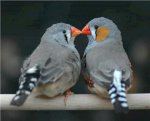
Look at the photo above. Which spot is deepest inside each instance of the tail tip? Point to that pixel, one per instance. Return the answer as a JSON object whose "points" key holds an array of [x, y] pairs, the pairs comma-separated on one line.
{"points": [[18, 100], [121, 108]]}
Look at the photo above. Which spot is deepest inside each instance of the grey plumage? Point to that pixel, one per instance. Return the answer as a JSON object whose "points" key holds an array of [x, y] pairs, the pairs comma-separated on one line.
{"points": [[102, 59], [57, 62]]}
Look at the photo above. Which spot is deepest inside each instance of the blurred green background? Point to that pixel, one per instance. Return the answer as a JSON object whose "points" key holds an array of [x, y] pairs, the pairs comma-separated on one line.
{"points": [[23, 24]]}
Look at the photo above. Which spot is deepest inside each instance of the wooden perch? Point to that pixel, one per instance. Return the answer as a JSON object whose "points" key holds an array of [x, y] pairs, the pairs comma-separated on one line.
{"points": [[74, 102]]}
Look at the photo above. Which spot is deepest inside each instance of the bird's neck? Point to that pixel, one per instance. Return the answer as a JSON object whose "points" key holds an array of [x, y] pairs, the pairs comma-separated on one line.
{"points": [[92, 43]]}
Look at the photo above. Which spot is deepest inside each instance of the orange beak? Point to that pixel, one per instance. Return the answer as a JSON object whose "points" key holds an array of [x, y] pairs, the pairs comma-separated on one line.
{"points": [[86, 30], [75, 32]]}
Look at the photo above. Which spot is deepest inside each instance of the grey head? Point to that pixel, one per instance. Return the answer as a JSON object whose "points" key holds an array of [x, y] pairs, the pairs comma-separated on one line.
{"points": [[60, 33], [96, 27]]}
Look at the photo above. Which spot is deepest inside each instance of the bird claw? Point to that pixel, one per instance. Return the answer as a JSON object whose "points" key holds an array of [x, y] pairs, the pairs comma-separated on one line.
{"points": [[67, 94], [89, 83]]}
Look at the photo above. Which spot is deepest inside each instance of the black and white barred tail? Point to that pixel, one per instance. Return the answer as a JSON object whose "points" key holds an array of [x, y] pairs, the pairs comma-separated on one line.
{"points": [[117, 93], [26, 86]]}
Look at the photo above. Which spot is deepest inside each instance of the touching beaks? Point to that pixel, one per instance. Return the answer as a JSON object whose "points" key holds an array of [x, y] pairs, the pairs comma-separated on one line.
{"points": [[86, 30], [75, 32]]}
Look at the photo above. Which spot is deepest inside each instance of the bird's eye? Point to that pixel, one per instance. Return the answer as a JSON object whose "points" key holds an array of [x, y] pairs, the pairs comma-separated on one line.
{"points": [[64, 31], [95, 26]]}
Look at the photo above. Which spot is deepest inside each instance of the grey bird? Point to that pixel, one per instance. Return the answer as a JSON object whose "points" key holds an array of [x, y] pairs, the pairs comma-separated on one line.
{"points": [[53, 67], [106, 67]]}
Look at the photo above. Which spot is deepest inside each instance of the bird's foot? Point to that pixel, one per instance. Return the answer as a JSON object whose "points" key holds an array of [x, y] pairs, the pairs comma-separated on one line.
{"points": [[90, 83], [67, 94]]}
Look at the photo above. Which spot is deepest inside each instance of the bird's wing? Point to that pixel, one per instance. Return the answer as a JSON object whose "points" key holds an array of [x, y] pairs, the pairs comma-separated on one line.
{"points": [[102, 61], [55, 67], [60, 61], [54, 60], [51, 71]]}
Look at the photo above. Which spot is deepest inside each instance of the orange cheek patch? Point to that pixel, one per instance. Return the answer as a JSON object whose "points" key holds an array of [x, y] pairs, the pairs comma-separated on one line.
{"points": [[102, 33]]}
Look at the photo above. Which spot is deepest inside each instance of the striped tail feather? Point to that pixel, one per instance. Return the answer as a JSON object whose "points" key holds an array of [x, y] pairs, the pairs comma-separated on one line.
{"points": [[26, 86], [117, 93]]}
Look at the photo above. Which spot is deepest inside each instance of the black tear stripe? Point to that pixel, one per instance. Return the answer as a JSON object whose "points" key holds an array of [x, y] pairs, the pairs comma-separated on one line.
{"points": [[26, 86], [66, 38]]}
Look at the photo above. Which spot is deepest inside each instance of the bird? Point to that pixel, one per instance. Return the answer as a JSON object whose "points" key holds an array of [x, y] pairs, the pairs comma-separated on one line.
{"points": [[53, 67], [105, 65]]}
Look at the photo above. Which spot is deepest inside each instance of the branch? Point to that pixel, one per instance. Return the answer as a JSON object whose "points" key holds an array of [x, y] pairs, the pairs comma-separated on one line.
{"points": [[74, 102]]}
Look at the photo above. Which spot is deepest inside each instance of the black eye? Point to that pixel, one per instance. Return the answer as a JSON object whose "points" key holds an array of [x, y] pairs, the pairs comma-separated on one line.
{"points": [[64, 31], [95, 26]]}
